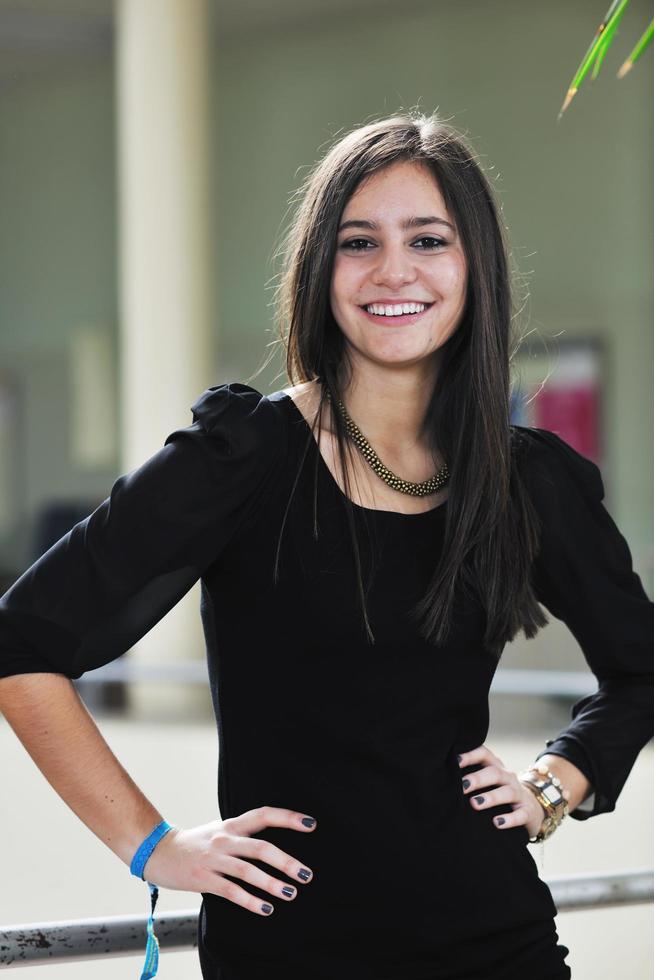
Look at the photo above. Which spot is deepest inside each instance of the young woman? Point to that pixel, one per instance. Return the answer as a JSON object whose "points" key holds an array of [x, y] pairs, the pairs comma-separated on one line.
{"points": [[368, 539]]}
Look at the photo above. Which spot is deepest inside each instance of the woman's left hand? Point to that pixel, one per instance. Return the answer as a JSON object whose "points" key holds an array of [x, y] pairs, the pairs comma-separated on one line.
{"points": [[527, 810]]}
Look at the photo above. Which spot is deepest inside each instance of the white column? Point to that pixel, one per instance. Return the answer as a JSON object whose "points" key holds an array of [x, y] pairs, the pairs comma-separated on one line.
{"points": [[162, 78], [93, 383]]}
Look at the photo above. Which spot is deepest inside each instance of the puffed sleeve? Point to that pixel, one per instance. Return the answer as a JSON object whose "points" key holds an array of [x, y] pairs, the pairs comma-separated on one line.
{"points": [[106, 583], [584, 576]]}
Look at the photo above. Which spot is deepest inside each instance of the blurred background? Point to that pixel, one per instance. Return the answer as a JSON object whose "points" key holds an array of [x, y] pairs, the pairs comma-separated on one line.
{"points": [[149, 152]]}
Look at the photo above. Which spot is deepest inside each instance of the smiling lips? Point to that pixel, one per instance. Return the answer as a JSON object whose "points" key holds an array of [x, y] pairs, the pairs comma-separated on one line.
{"points": [[396, 313]]}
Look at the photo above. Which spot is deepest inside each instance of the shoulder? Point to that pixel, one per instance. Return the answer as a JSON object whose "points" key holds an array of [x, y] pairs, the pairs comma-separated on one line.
{"points": [[240, 424], [306, 397], [555, 472], [239, 416], [237, 434]]}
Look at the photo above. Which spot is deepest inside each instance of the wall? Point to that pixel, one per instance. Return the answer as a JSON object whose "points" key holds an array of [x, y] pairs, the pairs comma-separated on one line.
{"points": [[576, 196]]}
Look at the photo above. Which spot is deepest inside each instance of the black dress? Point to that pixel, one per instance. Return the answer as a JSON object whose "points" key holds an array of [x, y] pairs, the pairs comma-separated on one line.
{"points": [[410, 882]]}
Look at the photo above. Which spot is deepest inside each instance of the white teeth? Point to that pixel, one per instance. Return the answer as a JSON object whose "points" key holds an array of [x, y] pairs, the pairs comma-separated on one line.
{"points": [[395, 310]]}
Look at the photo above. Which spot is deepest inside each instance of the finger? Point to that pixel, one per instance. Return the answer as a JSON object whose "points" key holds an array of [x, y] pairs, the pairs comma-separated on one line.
{"points": [[488, 776], [268, 853], [504, 794], [252, 821], [518, 817], [217, 885], [238, 868], [481, 754]]}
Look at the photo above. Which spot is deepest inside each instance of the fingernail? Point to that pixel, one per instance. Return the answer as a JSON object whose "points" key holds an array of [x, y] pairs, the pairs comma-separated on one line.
{"points": [[304, 874], [459, 758], [266, 908], [465, 783], [309, 821], [478, 799], [288, 891], [500, 820]]}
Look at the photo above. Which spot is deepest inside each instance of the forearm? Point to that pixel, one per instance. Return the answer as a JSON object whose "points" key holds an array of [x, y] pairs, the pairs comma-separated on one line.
{"points": [[52, 722], [572, 779]]}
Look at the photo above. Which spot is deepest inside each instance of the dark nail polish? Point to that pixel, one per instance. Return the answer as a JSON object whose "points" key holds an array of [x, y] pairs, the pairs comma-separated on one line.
{"points": [[479, 799], [459, 758], [500, 820], [465, 783], [266, 908], [304, 874], [288, 891], [308, 821]]}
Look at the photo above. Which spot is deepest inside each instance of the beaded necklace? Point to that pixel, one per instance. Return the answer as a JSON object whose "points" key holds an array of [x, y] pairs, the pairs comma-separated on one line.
{"points": [[431, 485]]}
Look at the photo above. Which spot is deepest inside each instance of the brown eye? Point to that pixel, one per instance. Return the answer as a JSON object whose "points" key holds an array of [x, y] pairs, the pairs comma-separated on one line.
{"points": [[356, 242], [432, 242]]}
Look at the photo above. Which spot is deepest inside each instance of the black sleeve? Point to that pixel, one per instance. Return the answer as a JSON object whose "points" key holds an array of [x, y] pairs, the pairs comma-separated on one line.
{"points": [[106, 583], [584, 576]]}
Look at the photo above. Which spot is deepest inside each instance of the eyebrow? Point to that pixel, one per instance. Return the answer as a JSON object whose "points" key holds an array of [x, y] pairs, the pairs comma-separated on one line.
{"points": [[409, 223]]}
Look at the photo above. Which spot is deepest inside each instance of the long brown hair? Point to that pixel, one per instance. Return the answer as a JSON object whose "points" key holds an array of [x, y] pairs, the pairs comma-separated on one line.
{"points": [[491, 530]]}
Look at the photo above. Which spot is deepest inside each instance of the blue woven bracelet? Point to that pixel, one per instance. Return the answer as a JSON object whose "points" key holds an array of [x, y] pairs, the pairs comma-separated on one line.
{"points": [[144, 851], [139, 861]]}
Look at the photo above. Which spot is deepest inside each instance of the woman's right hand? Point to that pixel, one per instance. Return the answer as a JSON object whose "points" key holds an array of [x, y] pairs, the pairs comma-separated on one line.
{"points": [[197, 859]]}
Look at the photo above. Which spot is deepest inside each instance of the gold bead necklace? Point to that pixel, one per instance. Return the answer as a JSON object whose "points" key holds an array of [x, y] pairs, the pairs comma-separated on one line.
{"points": [[431, 485]]}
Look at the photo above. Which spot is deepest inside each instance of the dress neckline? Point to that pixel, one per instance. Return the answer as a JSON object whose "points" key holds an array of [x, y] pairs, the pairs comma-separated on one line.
{"points": [[439, 508]]}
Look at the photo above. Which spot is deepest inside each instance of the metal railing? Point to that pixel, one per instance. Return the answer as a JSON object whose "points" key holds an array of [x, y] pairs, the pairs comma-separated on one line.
{"points": [[123, 935], [507, 680]]}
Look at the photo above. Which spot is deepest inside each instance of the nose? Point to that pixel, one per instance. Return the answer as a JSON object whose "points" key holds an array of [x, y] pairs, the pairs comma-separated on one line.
{"points": [[394, 267]]}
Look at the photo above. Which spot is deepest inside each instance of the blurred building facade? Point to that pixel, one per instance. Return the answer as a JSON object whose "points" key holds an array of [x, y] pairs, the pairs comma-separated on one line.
{"points": [[149, 151]]}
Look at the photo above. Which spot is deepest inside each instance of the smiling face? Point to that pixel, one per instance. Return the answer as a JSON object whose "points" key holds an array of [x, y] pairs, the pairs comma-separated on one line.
{"points": [[399, 247]]}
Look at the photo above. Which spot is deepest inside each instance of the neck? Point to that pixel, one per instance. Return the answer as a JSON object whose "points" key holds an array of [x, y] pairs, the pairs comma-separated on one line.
{"points": [[390, 406]]}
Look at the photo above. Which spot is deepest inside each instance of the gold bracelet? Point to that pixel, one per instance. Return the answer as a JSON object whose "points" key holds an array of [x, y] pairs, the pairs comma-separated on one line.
{"points": [[549, 792]]}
